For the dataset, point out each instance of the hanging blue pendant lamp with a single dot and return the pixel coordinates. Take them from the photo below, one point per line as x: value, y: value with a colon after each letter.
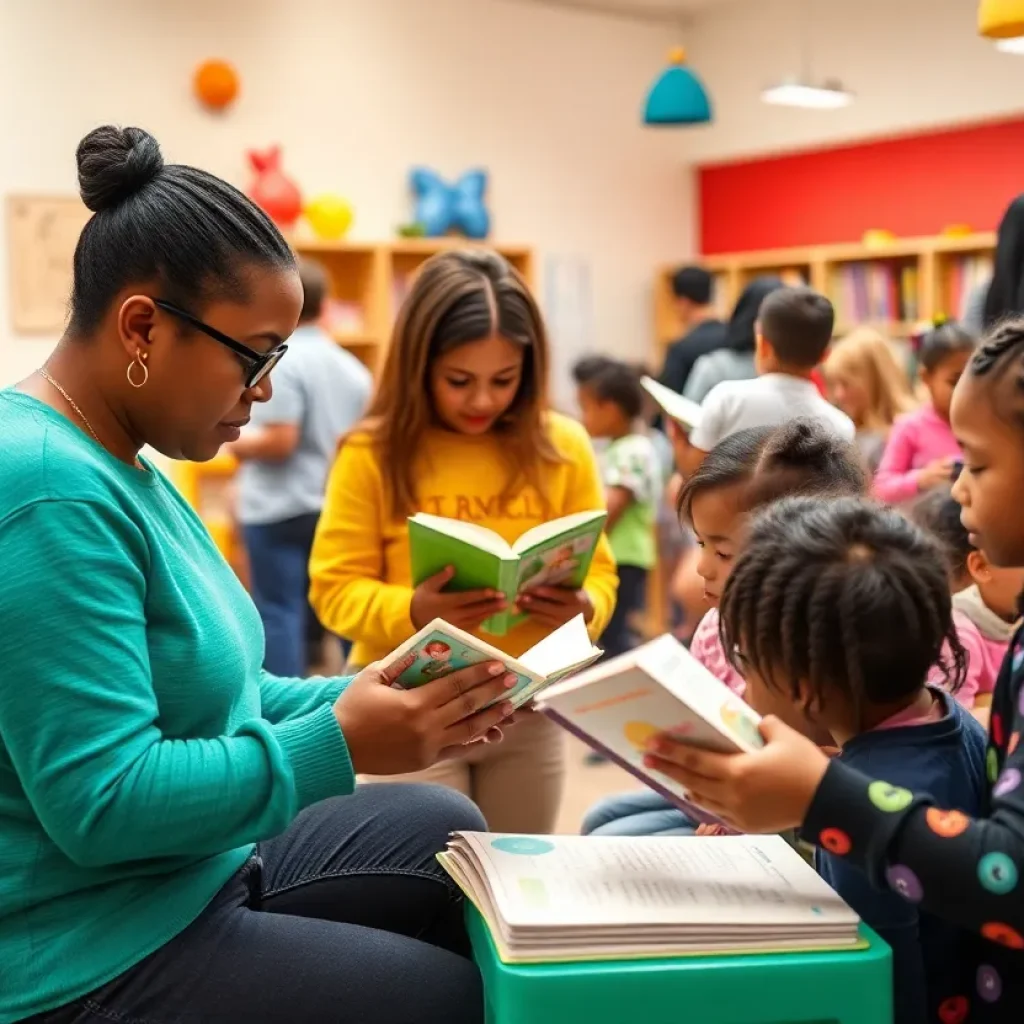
x: 678, y: 96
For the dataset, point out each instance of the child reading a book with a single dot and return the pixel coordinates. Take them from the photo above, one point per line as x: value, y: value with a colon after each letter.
x: 835, y: 612
x: 611, y: 400
x: 985, y: 600
x: 963, y: 869
x: 866, y: 381
x: 744, y: 472
x: 460, y: 428
x: 921, y: 451
x: 793, y: 333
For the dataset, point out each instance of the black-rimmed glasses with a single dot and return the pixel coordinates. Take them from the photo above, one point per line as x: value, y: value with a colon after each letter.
x: 261, y: 363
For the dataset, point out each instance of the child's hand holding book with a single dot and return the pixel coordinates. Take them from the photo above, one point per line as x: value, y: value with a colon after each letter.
x: 466, y: 609
x: 555, y: 606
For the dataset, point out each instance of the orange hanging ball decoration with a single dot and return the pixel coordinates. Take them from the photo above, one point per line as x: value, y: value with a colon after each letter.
x: 216, y: 84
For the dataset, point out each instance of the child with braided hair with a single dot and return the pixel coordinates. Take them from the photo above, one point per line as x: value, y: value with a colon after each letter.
x: 963, y: 869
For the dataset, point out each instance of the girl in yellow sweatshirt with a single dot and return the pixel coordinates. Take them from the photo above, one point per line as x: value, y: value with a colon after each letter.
x: 459, y: 428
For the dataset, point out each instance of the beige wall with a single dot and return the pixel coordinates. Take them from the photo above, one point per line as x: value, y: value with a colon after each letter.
x: 912, y: 63
x: 357, y: 91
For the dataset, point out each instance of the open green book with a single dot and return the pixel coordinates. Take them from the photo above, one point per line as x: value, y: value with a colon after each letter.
x: 556, y: 554
x: 439, y: 649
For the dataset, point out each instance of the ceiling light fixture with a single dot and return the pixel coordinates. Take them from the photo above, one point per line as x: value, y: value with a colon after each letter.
x: 801, y: 90
x: 828, y: 96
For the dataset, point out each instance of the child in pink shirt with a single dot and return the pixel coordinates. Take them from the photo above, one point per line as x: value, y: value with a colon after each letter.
x: 921, y: 451
x: 985, y: 602
x: 742, y: 473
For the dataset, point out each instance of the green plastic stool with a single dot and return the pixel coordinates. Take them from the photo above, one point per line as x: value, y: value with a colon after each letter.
x: 852, y: 987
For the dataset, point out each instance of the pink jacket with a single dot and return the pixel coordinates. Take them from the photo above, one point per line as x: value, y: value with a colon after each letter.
x: 985, y: 654
x: 916, y: 439
x: 706, y: 647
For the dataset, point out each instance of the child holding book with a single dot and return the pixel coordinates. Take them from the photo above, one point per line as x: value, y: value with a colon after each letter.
x: 611, y: 400
x: 922, y: 452
x: 741, y: 474
x: 793, y: 333
x: 963, y: 869
x: 985, y: 600
x: 460, y: 428
x: 835, y: 613
x: 865, y: 380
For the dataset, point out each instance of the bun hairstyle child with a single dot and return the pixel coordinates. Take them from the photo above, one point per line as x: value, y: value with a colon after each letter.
x: 460, y: 428
x: 744, y: 472
x: 922, y: 452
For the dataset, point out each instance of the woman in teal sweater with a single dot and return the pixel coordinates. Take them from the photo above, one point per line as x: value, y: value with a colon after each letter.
x: 180, y: 834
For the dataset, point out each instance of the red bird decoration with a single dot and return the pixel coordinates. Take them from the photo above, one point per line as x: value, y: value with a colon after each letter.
x: 272, y: 190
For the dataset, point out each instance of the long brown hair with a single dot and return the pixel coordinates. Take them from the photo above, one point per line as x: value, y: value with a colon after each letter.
x: 459, y: 297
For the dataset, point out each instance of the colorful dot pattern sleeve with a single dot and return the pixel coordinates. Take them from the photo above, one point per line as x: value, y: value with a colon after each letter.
x: 967, y: 871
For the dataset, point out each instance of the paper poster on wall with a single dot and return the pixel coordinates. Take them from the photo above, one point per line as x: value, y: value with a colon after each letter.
x: 42, y: 232
x: 569, y: 312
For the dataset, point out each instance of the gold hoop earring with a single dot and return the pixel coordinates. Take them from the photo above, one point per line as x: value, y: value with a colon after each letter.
x: 138, y: 361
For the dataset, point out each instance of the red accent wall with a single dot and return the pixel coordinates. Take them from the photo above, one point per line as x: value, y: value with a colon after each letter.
x: 911, y: 185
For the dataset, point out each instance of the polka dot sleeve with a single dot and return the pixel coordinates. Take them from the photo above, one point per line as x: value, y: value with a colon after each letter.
x: 967, y: 871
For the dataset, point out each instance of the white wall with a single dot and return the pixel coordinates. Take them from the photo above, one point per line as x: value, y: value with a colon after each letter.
x: 912, y: 64
x: 357, y: 91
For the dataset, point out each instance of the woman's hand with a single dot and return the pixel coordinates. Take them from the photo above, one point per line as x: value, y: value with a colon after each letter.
x: 465, y: 609
x: 391, y: 731
x: 767, y: 791
x: 555, y: 606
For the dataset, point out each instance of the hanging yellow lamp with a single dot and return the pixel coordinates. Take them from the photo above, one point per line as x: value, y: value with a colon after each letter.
x: 1001, y: 19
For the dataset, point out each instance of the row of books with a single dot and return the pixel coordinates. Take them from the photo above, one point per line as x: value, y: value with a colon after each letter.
x: 874, y: 292
x: 962, y: 277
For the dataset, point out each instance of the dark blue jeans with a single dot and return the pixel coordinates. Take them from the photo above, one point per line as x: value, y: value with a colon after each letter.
x: 346, y: 917
x: 279, y: 578
x: 619, y: 635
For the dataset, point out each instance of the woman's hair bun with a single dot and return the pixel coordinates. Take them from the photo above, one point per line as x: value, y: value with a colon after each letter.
x: 114, y: 163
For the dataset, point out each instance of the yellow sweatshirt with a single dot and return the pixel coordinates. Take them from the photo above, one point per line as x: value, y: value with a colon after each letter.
x: 359, y: 570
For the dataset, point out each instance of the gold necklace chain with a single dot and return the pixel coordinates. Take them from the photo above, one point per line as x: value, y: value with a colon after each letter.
x: 74, y: 405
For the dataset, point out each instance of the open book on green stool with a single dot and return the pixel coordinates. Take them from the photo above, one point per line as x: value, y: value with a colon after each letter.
x: 610, y: 930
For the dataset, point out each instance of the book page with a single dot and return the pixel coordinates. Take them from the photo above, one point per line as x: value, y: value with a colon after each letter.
x: 597, y: 880
x: 469, y: 533
x: 684, y: 411
x: 558, y: 554
x: 569, y: 645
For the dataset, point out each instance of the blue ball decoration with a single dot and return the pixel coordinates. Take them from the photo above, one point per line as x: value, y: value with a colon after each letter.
x: 678, y: 97
x: 442, y: 207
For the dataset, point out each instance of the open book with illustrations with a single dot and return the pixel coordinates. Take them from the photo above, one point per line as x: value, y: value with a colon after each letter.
x: 551, y: 898
x: 684, y: 411
x: 556, y: 554
x: 618, y: 706
x: 439, y: 649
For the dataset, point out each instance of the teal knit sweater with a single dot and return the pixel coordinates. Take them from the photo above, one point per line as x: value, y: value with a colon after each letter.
x: 142, y: 748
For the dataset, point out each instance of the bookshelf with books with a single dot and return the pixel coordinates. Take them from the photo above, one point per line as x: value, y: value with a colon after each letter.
x: 368, y: 283
x: 891, y: 285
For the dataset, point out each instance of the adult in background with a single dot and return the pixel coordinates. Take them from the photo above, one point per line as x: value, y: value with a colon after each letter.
x: 180, y: 833
x: 703, y: 332
x: 1005, y: 294
x: 320, y: 391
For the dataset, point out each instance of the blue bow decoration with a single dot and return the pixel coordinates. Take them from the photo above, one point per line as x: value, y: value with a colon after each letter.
x: 440, y: 207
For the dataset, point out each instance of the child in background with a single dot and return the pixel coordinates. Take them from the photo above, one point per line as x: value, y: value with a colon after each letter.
x: 921, y: 452
x: 741, y: 474
x: 835, y: 613
x: 611, y: 399
x: 964, y: 870
x: 794, y: 332
x: 864, y: 379
x: 459, y: 427
x: 985, y: 600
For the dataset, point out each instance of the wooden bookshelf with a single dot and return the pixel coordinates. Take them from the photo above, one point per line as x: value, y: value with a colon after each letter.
x: 368, y: 283
x: 893, y: 286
